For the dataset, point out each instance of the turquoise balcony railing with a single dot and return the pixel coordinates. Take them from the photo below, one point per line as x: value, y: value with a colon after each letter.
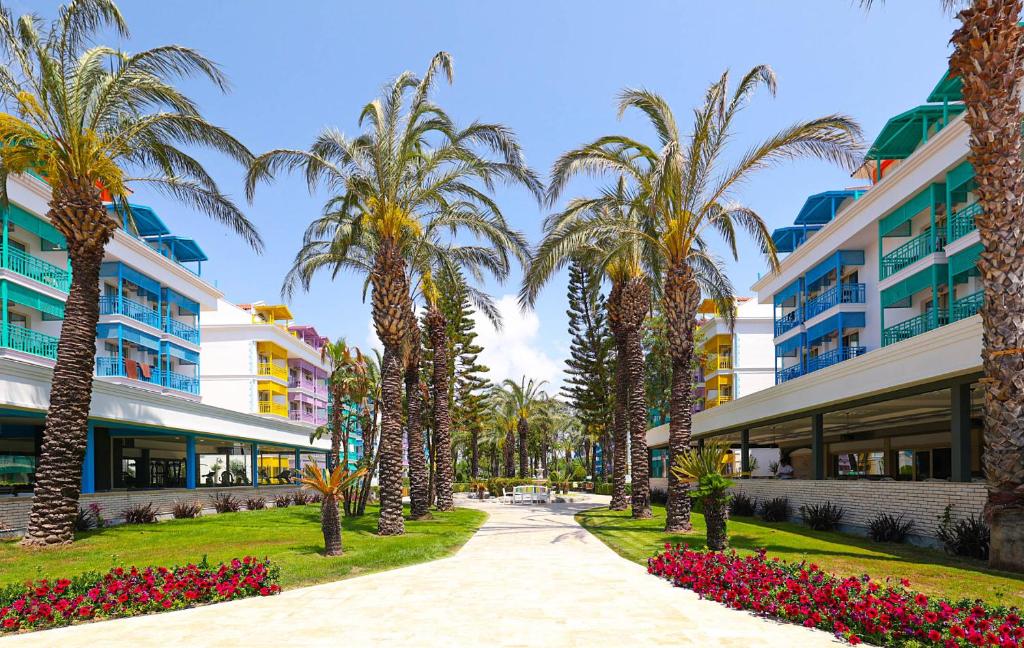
x: 967, y: 306
x: 835, y: 356
x: 45, y: 273
x: 789, y: 373
x: 914, y: 326
x: 113, y: 305
x: 962, y: 222
x: 26, y: 340
x: 181, y: 330
x: 847, y: 293
x: 911, y: 252
x: 177, y: 381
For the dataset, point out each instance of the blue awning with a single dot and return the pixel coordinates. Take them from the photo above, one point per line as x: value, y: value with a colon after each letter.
x: 182, y: 250
x: 821, y: 208
x: 114, y: 269
x: 846, y: 320
x: 792, y: 290
x: 186, y: 304
x: 837, y: 260
x: 787, y: 239
x: 141, y: 219
x: 128, y: 334
x: 185, y: 355
x: 790, y: 346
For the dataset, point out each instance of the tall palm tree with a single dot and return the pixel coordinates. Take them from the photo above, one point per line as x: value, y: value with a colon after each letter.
x: 505, y: 421
x: 688, y: 191
x: 419, y: 487
x: 348, y: 384
x: 988, y: 56
x: 412, y: 164
x: 92, y: 118
x: 525, y: 397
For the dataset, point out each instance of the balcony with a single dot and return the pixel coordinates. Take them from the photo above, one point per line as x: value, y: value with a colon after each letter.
x: 718, y: 362
x: 301, y: 382
x: 38, y: 270
x: 304, y: 417
x: 789, y: 373
x: 911, y: 252
x: 273, y: 370
x: 179, y: 382
x: 914, y: 326
x: 967, y: 306
x: 835, y: 356
x: 270, y: 407
x: 113, y: 305
x: 181, y: 330
x: 718, y: 400
x: 787, y: 322
x: 118, y: 368
x: 847, y: 293
x: 962, y: 222
x: 19, y: 338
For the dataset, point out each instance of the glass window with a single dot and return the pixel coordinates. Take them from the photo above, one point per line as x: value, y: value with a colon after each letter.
x: 224, y: 464
x: 276, y: 466
x: 659, y: 457
x: 17, y: 459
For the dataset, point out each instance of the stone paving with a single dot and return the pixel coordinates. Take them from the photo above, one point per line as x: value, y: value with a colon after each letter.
x: 531, y: 576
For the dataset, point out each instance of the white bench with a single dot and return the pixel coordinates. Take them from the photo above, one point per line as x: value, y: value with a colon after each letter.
x: 530, y: 494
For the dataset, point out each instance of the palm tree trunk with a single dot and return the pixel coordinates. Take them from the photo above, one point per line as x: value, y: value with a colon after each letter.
x: 371, y: 454
x: 509, y: 453
x: 391, y: 521
x: 682, y: 297
x: 988, y: 50
x: 437, y: 326
x: 474, y: 453
x: 416, y: 456
x: 334, y: 457
x: 716, y: 514
x: 619, y: 501
x: 78, y: 214
x: 524, y: 429
x: 330, y: 524
x: 641, y: 492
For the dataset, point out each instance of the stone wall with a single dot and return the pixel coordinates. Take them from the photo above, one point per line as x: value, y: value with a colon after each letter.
x: 14, y: 510
x: 922, y: 502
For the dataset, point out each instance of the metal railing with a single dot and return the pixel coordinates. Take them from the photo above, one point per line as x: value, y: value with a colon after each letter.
x: 962, y: 223
x: 911, y: 252
x: 271, y: 369
x: 34, y: 268
x: 788, y: 322
x: 789, y: 373
x: 835, y: 356
x: 914, y: 326
x: 847, y: 293
x: 967, y: 306
x: 270, y: 407
x: 181, y: 330
x: 114, y: 305
x: 117, y: 368
x: 718, y: 361
x: 28, y: 341
x: 179, y: 382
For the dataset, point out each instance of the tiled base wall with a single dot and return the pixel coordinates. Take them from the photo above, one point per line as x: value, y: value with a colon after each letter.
x: 922, y: 502
x: 14, y: 510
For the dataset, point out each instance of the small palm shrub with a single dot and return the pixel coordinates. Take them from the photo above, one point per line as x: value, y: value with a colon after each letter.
x: 140, y: 514
x: 742, y: 505
x: 822, y: 517
x: 776, y: 509
x: 331, y: 489
x: 301, y: 498
x: 187, y: 509
x: 969, y: 537
x: 886, y: 527
x: 226, y: 503
x: 256, y: 503
x: 283, y: 501
x: 709, y: 487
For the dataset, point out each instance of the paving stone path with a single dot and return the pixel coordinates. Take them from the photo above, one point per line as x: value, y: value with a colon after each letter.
x: 531, y: 576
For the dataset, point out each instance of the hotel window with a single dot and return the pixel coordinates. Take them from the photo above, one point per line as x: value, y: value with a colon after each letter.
x: 920, y: 465
x: 659, y: 458
x: 859, y: 464
x: 17, y: 459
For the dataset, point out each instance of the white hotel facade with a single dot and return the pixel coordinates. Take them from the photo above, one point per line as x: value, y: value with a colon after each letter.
x: 877, y: 339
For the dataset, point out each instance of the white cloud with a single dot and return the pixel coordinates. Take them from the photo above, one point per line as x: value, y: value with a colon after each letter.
x: 513, y: 352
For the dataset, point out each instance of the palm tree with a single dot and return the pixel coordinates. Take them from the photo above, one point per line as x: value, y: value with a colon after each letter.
x: 411, y: 165
x: 91, y: 118
x: 505, y: 420
x: 687, y: 191
x: 419, y: 487
x: 525, y: 397
x: 347, y: 383
x: 704, y: 468
x: 331, y: 489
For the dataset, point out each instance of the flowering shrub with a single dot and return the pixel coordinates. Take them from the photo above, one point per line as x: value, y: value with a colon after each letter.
x: 123, y: 592
x: 854, y: 609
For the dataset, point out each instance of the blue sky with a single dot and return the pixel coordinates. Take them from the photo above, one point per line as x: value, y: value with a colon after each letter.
x: 550, y: 70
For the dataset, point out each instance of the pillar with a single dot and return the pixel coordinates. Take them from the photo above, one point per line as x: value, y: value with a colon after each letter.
x: 745, y: 454
x: 191, y: 466
x: 255, y: 454
x: 89, y: 461
x: 960, y: 427
x: 818, y: 446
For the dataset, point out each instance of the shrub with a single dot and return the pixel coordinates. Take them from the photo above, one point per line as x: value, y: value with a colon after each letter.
x: 607, y: 487
x: 885, y: 527
x: 84, y: 521
x: 301, y: 498
x: 226, y: 503
x: 855, y: 608
x: 822, y: 517
x: 256, y: 503
x: 495, y: 485
x: 186, y: 510
x: 969, y: 537
x: 140, y: 514
x: 742, y: 505
x: 87, y: 597
x: 283, y: 501
x: 776, y: 509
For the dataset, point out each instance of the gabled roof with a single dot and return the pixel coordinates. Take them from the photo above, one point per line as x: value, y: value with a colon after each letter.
x: 902, y: 134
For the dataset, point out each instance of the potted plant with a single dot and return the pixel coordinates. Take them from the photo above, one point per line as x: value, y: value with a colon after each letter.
x: 704, y: 469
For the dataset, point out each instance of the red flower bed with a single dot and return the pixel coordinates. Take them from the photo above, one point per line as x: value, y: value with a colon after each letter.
x: 123, y: 592
x: 854, y: 609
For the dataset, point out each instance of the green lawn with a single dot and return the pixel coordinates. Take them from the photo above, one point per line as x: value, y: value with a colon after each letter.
x: 929, y: 571
x: 290, y: 537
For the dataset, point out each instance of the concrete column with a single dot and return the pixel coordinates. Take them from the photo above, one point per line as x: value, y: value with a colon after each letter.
x: 191, y: 466
x: 960, y: 428
x: 89, y: 461
x: 818, y: 446
x: 745, y: 454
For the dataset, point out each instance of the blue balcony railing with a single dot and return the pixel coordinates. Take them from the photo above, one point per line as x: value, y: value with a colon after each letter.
x: 789, y: 373
x: 914, y: 326
x: 181, y: 330
x: 114, y: 305
x: 34, y: 268
x: 178, y: 382
x: 117, y: 368
x: 834, y: 356
x: 967, y: 306
x: 962, y: 223
x: 847, y: 293
x: 911, y: 252
x: 787, y: 322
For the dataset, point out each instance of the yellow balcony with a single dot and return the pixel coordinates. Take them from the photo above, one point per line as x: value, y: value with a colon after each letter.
x: 717, y: 362
x: 272, y: 370
x: 277, y: 409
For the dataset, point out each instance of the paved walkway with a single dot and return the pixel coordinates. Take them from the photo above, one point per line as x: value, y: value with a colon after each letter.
x: 530, y: 577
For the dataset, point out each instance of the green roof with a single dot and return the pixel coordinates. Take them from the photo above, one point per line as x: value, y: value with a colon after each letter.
x: 947, y: 89
x: 902, y: 134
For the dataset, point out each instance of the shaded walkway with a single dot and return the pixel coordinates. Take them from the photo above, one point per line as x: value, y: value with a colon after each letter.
x: 530, y: 577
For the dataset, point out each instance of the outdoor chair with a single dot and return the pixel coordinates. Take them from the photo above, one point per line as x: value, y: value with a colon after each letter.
x: 507, y: 496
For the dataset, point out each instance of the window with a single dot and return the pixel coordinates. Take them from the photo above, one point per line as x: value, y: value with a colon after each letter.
x: 659, y: 458
x: 919, y: 465
x: 17, y: 459
x: 859, y: 464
